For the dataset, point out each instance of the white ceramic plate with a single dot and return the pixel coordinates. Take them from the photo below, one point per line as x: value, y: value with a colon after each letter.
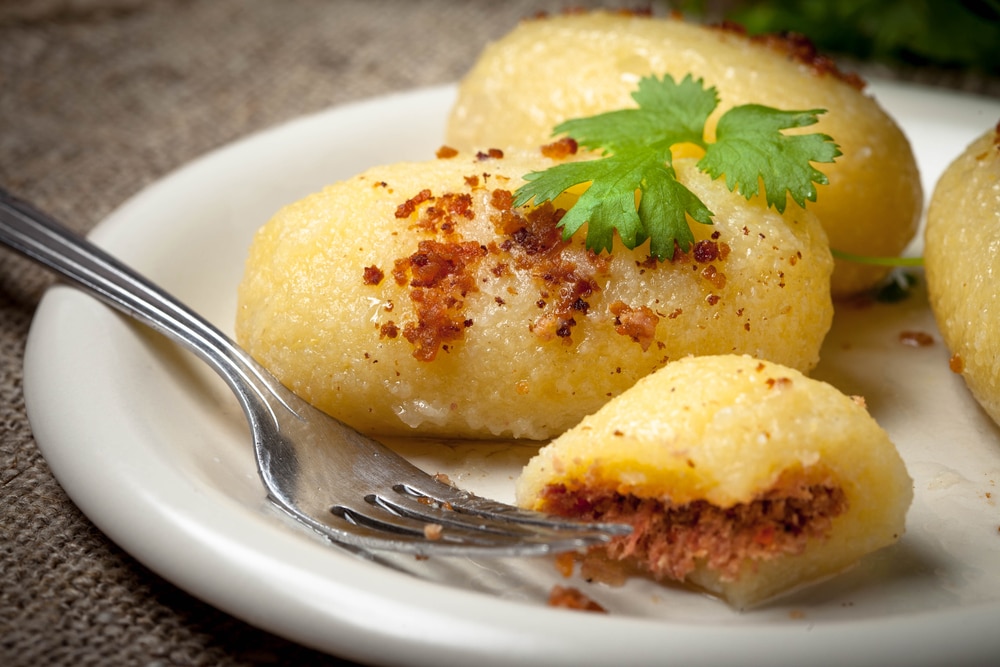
x: 153, y: 449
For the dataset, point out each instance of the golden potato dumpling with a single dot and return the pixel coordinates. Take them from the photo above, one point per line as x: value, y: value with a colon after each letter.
x: 741, y: 476
x: 413, y: 299
x: 962, y: 260
x: 579, y: 64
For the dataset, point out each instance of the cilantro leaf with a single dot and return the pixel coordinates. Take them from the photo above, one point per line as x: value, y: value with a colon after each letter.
x: 662, y: 208
x: 669, y: 112
x: 608, y: 205
x: 637, y: 162
x: 750, y: 148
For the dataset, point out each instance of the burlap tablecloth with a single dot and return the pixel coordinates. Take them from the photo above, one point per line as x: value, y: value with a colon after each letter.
x: 99, y: 98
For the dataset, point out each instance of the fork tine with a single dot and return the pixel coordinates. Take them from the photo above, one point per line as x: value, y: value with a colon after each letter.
x: 467, y: 508
x: 384, y: 529
x: 305, y: 458
x: 416, y: 508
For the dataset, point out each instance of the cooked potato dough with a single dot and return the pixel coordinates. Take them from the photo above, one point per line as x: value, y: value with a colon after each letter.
x: 740, y: 476
x: 962, y: 261
x: 551, y: 69
x: 413, y: 300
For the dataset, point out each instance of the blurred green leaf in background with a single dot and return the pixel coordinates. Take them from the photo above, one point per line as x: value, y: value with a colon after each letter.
x: 945, y: 33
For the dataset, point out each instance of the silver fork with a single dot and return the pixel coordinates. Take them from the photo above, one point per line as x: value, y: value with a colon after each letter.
x: 323, y: 473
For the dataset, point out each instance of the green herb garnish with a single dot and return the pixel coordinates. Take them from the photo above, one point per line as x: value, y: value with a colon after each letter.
x: 750, y: 150
x: 960, y: 35
x: 877, y: 261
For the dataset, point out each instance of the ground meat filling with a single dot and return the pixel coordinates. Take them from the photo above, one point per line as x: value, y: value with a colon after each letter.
x: 670, y: 541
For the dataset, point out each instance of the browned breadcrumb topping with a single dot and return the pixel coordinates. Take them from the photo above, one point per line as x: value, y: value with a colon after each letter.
x: 707, y: 256
x: 671, y: 541
x: 706, y: 251
x: 443, y: 270
x: 441, y: 277
x: 560, y: 149
x: 565, y: 562
x: 491, y: 154
x: 445, y: 152
x: 799, y: 48
x: 427, y: 500
x: 566, y: 275
x: 778, y: 383
x: 916, y: 338
x: 446, y: 210
x: 639, y: 324
x: 440, y: 272
x: 567, y: 597
x: 956, y: 364
x: 373, y: 275
x: 436, y: 263
x: 407, y: 208
x: 714, y: 276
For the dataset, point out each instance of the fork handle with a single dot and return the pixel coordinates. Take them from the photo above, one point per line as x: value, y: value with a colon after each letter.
x: 39, y: 237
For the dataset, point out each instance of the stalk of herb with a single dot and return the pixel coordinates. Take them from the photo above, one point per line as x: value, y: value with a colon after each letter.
x: 877, y: 261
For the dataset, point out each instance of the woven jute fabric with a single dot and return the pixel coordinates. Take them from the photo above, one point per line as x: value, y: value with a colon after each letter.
x: 98, y: 99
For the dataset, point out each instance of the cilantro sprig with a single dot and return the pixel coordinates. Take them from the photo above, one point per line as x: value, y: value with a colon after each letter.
x: 750, y: 150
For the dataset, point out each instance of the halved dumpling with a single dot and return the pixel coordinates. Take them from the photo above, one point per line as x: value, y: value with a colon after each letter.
x: 740, y: 476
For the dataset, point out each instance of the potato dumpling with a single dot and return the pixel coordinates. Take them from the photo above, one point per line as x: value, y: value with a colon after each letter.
x: 579, y: 64
x: 962, y: 260
x: 740, y: 476
x: 414, y: 300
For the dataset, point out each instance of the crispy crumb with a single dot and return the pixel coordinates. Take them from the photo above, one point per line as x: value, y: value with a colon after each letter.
x: 800, y: 48
x: 956, y: 364
x: 639, y: 324
x: 916, y: 339
x: 407, y: 208
x: 779, y: 383
x: 491, y: 154
x: 571, y: 598
x: 373, y: 275
x: 565, y: 563
x: 561, y: 149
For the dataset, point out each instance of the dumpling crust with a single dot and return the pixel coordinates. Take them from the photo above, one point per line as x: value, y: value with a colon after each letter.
x: 962, y: 260
x: 550, y: 69
x: 413, y: 300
